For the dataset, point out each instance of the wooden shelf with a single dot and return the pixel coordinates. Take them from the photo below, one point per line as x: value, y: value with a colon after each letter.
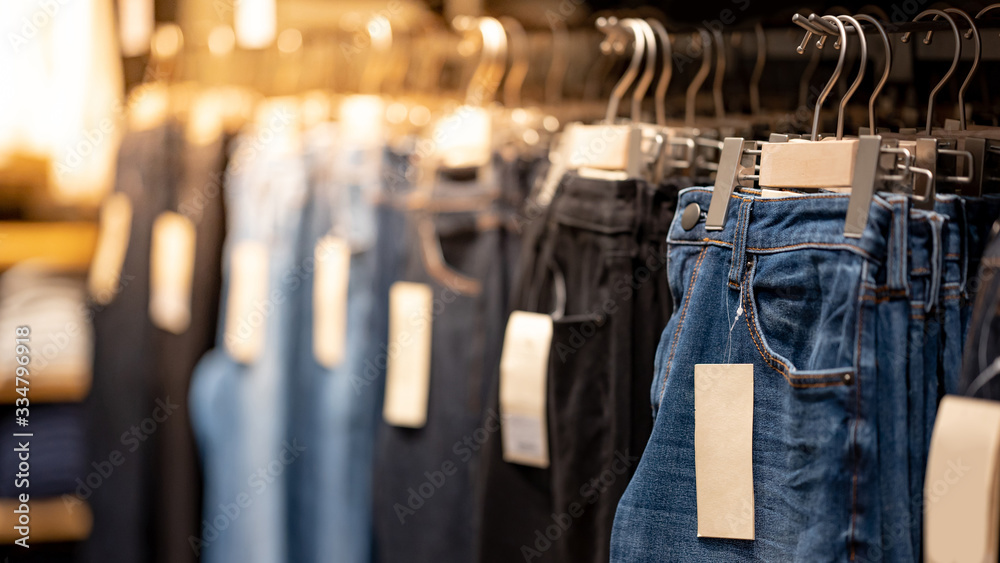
x: 67, y: 245
x: 57, y: 519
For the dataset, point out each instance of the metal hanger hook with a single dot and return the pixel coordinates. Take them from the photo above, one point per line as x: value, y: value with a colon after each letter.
x: 833, y: 79
x: 954, y: 64
x: 758, y: 69
x: 612, y: 26
x: 666, y: 73
x: 699, y: 78
x: 518, y: 42
x: 861, y: 71
x: 885, y: 72
x: 649, y: 70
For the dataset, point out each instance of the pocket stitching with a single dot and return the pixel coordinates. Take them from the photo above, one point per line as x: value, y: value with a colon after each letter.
x: 680, y: 320
x: 770, y: 358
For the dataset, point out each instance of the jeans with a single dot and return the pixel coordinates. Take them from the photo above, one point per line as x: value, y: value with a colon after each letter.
x: 594, y: 260
x: 424, y: 502
x: 238, y: 411
x: 892, y: 334
x: 331, y: 409
x: 925, y: 265
x: 808, y: 325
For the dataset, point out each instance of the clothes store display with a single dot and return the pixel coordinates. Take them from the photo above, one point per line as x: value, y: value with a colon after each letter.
x: 594, y: 260
x: 412, y: 525
x: 152, y: 505
x: 244, y: 455
x: 429, y: 296
x: 333, y: 409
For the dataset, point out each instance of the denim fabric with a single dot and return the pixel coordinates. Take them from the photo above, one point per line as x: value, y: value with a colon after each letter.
x: 808, y: 326
x: 925, y: 264
x: 892, y: 331
x: 239, y: 411
x: 982, y: 213
x: 594, y: 259
x: 58, y: 449
x: 982, y: 346
x: 330, y: 494
x: 123, y: 388
x: 949, y: 318
x: 442, y: 456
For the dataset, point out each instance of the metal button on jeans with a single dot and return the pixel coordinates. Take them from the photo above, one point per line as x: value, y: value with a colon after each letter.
x: 691, y: 216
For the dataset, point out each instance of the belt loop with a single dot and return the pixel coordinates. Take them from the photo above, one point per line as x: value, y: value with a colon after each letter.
x: 898, y: 266
x: 937, y: 260
x: 964, y: 235
x: 736, y: 269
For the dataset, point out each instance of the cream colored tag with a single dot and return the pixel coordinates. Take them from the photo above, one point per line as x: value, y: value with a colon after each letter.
x: 361, y: 119
x: 248, y: 306
x: 112, y: 242
x: 135, y: 26
x: 171, y: 272
x: 524, y: 368
x: 464, y: 138
x: 333, y: 269
x: 960, y: 488
x: 408, y: 374
x: 723, y: 450
x: 255, y: 23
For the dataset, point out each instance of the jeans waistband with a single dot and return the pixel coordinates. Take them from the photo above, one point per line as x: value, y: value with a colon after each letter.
x: 897, y: 268
x: 952, y: 207
x: 604, y: 206
x: 771, y: 225
x: 925, y: 254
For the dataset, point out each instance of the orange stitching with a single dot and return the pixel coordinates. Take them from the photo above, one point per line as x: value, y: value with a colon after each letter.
x: 839, y: 245
x: 920, y: 271
x: 753, y: 336
x: 680, y: 319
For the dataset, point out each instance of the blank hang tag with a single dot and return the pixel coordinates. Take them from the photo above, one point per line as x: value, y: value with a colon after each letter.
x: 961, y: 485
x: 333, y: 267
x: 112, y: 243
x: 524, y: 367
x: 408, y: 374
x: 247, y: 307
x: 135, y: 26
x: 255, y: 23
x: 172, y: 271
x: 723, y: 450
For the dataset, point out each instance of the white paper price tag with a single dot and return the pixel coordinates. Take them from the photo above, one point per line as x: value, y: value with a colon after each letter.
x: 333, y: 269
x: 113, y: 235
x: 408, y: 374
x: 172, y: 272
x: 723, y: 450
x: 248, y: 307
x: 524, y: 367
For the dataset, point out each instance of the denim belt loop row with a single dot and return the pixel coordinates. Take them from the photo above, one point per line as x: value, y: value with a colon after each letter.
x: 736, y: 269
x: 898, y: 264
x: 937, y: 261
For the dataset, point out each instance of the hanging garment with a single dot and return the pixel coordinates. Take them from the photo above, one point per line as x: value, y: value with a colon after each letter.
x: 333, y: 408
x: 124, y: 361
x: 424, y: 501
x: 781, y: 288
x: 595, y: 258
x: 239, y: 406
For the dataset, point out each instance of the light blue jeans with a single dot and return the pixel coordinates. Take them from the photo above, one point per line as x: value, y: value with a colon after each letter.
x: 334, y: 410
x: 238, y: 411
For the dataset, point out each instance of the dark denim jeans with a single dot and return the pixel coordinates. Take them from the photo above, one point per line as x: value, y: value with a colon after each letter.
x: 596, y: 260
x: 424, y: 500
x: 808, y: 325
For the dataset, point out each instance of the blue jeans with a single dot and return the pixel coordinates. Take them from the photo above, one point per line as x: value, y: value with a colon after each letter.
x: 333, y: 410
x: 238, y: 411
x: 808, y: 327
x: 925, y: 266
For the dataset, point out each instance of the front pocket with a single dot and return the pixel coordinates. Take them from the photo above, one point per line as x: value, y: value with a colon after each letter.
x: 803, y: 314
